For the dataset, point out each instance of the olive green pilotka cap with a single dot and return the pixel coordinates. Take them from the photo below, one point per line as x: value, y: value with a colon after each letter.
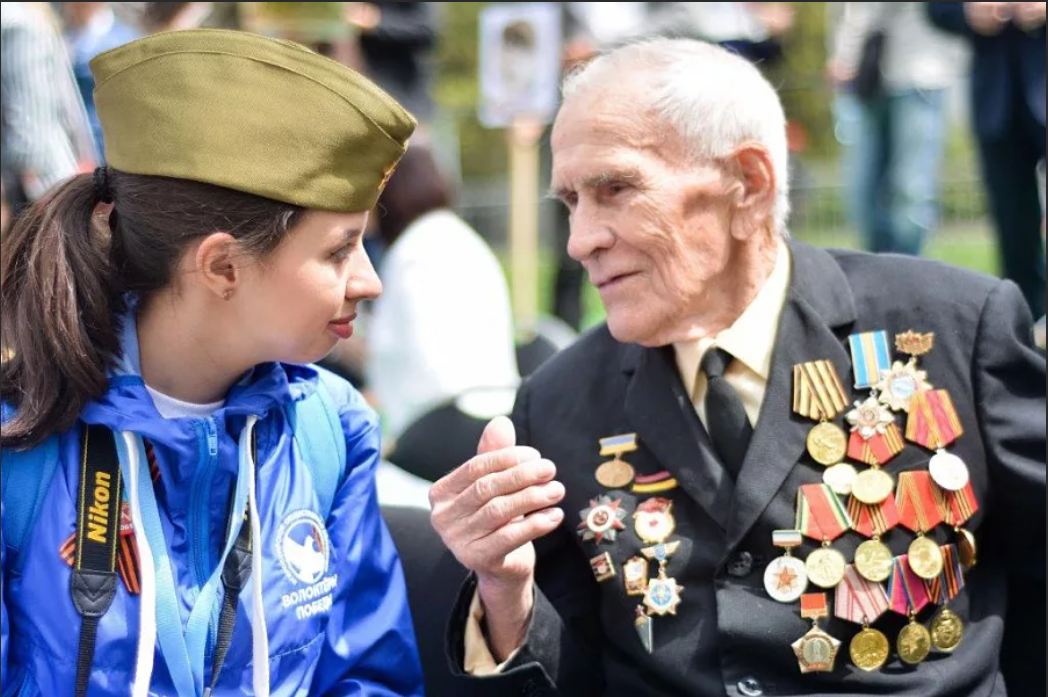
x: 249, y: 113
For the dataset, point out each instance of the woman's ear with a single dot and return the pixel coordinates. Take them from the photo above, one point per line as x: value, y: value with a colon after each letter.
x: 217, y: 260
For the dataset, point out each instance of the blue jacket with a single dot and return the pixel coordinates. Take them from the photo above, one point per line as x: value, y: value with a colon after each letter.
x: 340, y: 627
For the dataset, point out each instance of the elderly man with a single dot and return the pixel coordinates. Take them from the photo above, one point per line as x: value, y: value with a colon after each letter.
x: 746, y: 483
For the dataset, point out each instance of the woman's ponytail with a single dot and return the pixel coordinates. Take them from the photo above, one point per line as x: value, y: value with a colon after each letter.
x: 60, y: 304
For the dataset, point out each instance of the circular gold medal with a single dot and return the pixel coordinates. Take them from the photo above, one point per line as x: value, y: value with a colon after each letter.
x: 841, y: 479
x: 967, y: 548
x: 926, y: 558
x: 915, y: 643
x: 873, y: 561
x: 615, y: 474
x: 947, y: 631
x: 827, y: 444
x: 826, y: 567
x: 870, y: 650
x: 873, y: 487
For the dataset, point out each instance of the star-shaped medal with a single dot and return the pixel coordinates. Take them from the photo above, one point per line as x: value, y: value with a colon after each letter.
x: 898, y: 385
x: 870, y: 418
x: 602, y: 520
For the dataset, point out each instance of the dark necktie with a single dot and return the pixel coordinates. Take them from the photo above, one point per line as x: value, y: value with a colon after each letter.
x: 726, y: 419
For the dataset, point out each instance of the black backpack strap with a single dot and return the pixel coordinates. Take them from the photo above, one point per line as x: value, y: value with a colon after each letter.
x: 94, y: 580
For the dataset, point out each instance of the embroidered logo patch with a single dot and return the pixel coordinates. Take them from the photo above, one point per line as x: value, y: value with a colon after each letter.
x: 303, y: 547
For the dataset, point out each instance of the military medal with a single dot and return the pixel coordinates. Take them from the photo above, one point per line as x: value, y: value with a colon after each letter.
x: 902, y: 381
x: 635, y: 576
x: 819, y: 395
x: 786, y: 578
x: 967, y: 548
x: 603, y: 567
x: 603, y: 520
x: 663, y: 595
x: 861, y: 602
x: 919, y: 511
x: 933, y: 421
x: 907, y: 592
x: 878, y: 450
x: 821, y: 517
x: 947, y: 631
x: 616, y: 473
x: 870, y: 358
x: 653, y: 520
x: 870, y: 418
x: 645, y: 630
x: 841, y: 478
x: 915, y: 642
x: 873, y: 560
x: 816, y: 651
x: 949, y: 471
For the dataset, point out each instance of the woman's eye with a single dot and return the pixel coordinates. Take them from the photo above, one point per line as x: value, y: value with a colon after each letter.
x: 342, y: 253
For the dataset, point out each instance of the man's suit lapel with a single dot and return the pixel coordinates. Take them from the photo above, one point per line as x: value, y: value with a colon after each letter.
x: 661, y: 412
x: 818, y: 312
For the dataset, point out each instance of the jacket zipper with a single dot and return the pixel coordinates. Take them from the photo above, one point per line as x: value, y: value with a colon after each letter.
x: 200, y: 516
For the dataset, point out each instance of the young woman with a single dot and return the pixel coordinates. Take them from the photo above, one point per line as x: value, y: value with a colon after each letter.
x: 188, y: 506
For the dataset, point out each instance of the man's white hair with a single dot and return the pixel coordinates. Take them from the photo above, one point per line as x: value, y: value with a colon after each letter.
x: 713, y: 98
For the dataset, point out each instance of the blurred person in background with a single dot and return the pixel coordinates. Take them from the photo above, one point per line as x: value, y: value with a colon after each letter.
x: 44, y: 136
x: 159, y: 17
x: 443, y: 326
x: 92, y: 28
x: 5, y: 210
x: 397, y: 42
x: 892, y: 70
x: 1008, y: 106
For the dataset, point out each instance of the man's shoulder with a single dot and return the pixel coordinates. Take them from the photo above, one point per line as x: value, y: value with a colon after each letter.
x: 897, y: 282
x: 592, y: 357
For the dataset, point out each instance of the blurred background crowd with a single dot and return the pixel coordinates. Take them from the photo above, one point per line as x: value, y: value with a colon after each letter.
x: 915, y: 128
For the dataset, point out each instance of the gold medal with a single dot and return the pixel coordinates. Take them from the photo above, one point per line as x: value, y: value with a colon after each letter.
x: 653, y: 521
x: 926, y: 558
x: 816, y: 651
x: 968, y: 549
x: 873, y: 487
x: 825, y: 567
x: 915, y: 643
x: 947, y: 631
x: 870, y: 650
x: 616, y: 473
x: 827, y: 444
x: 663, y: 595
x: 873, y: 561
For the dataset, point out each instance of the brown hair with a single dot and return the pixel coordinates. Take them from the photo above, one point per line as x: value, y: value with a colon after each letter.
x: 64, y: 280
x: 416, y: 188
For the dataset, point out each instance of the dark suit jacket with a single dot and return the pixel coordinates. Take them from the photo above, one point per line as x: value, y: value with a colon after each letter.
x: 1008, y: 72
x: 729, y: 637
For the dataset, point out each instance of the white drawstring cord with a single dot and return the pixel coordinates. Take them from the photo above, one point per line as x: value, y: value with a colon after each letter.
x: 147, y: 600
x: 259, y: 631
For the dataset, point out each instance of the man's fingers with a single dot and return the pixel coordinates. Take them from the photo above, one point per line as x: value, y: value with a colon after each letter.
x: 498, y: 434
x: 462, y: 478
x: 491, y: 551
x: 506, y: 482
x: 503, y: 511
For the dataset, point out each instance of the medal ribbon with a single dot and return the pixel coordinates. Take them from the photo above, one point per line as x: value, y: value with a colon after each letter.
x: 870, y: 357
x: 820, y: 514
x: 858, y: 600
x: 873, y: 521
x: 949, y: 583
x: 957, y: 507
x: 918, y: 509
x: 879, y: 450
x: 817, y: 391
x: 814, y: 606
x: 906, y: 590
x: 933, y: 420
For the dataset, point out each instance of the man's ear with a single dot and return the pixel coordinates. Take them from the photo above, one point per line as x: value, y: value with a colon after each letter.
x: 218, y: 259
x: 755, y: 189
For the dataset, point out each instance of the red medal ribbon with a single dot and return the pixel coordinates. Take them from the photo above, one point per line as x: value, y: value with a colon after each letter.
x: 957, y: 507
x: 933, y: 420
x: 916, y: 501
x: 879, y: 450
x: 814, y: 606
x: 906, y: 590
x: 873, y: 521
x: 858, y: 600
x: 950, y: 582
x: 822, y: 516
x: 126, y: 559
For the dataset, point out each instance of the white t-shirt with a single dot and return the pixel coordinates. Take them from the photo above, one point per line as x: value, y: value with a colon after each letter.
x: 444, y: 323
